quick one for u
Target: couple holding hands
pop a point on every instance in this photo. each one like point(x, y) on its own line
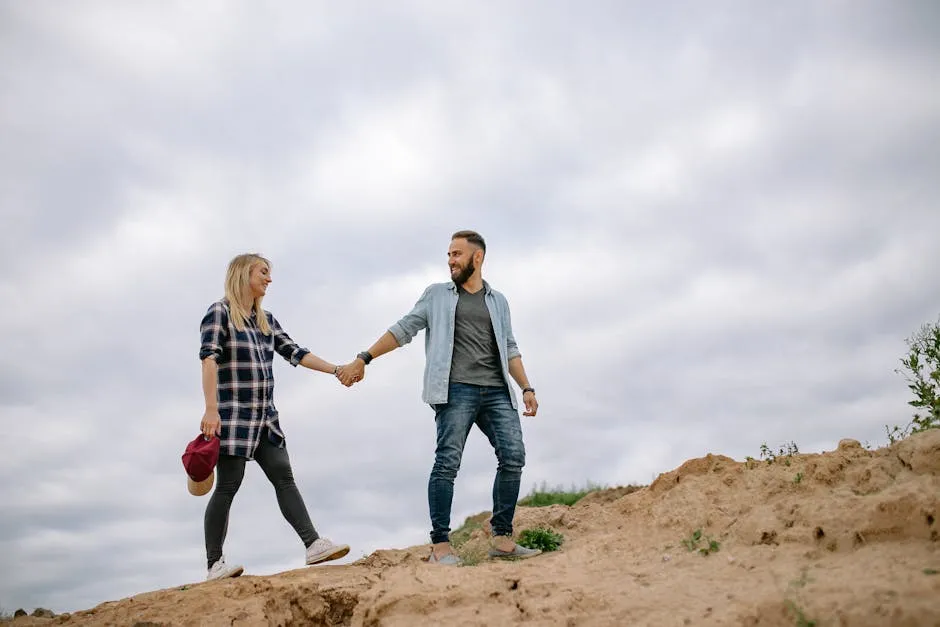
point(471, 355)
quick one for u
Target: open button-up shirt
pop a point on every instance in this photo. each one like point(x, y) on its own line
point(246, 377)
point(436, 311)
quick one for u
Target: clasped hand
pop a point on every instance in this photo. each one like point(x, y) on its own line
point(353, 372)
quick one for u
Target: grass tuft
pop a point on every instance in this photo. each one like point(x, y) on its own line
point(545, 496)
point(473, 553)
point(460, 536)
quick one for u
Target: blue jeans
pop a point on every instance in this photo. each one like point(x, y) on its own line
point(491, 410)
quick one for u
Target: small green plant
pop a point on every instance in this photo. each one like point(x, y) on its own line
point(802, 581)
point(544, 496)
point(785, 452)
point(795, 592)
point(896, 433)
point(931, 571)
point(750, 462)
point(798, 478)
point(798, 615)
point(541, 538)
point(922, 372)
point(699, 541)
point(765, 452)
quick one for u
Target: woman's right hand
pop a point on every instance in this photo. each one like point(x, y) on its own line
point(211, 423)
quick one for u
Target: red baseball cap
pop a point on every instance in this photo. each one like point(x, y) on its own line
point(199, 460)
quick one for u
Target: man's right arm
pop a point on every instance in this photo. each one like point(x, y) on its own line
point(385, 344)
point(355, 370)
point(400, 333)
point(413, 322)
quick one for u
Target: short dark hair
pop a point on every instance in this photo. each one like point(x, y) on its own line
point(471, 236)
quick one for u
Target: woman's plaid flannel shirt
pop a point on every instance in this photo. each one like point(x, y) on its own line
point(246, 376)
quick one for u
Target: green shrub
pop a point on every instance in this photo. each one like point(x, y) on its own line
point(922, 371)
point(541, 538)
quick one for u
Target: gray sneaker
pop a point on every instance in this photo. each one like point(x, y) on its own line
point(518, 552)
point(450, 559)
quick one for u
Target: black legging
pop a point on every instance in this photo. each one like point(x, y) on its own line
point(229, 474)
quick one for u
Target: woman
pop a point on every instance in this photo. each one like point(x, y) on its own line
point(239, 340)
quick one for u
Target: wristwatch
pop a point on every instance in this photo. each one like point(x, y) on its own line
point(524, 390)
point(365, 356)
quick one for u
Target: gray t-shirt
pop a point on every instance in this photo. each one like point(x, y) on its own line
point(476, 356)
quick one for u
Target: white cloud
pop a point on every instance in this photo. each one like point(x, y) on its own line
point(149, 43)
point(385, 163)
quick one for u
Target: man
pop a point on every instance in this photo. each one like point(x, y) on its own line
point(471, 353)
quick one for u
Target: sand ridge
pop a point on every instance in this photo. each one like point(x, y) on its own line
point(848, 537)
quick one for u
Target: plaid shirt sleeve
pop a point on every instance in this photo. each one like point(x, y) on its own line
point(284, 345)
point(214, 331)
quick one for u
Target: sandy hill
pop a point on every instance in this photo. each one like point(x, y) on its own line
point(848, 537)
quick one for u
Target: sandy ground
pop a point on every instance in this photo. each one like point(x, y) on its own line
point(848, 537)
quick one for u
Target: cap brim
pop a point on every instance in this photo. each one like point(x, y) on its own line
point(199, 488)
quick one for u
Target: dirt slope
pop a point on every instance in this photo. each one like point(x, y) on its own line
point(848, 537)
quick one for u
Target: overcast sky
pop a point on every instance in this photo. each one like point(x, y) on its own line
point(715, 223)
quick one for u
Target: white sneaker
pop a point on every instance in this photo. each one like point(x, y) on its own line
point(221, 570)
point(322, 550)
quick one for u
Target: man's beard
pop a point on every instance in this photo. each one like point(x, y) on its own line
point(465, 273)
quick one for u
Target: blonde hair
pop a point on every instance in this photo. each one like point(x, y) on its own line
point(236, 285)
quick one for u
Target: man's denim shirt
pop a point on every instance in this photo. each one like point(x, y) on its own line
point(435, 311)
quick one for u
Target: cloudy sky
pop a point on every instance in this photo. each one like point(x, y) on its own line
point(716, 223)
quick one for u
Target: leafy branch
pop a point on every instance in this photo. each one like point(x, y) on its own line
point(921, 369)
